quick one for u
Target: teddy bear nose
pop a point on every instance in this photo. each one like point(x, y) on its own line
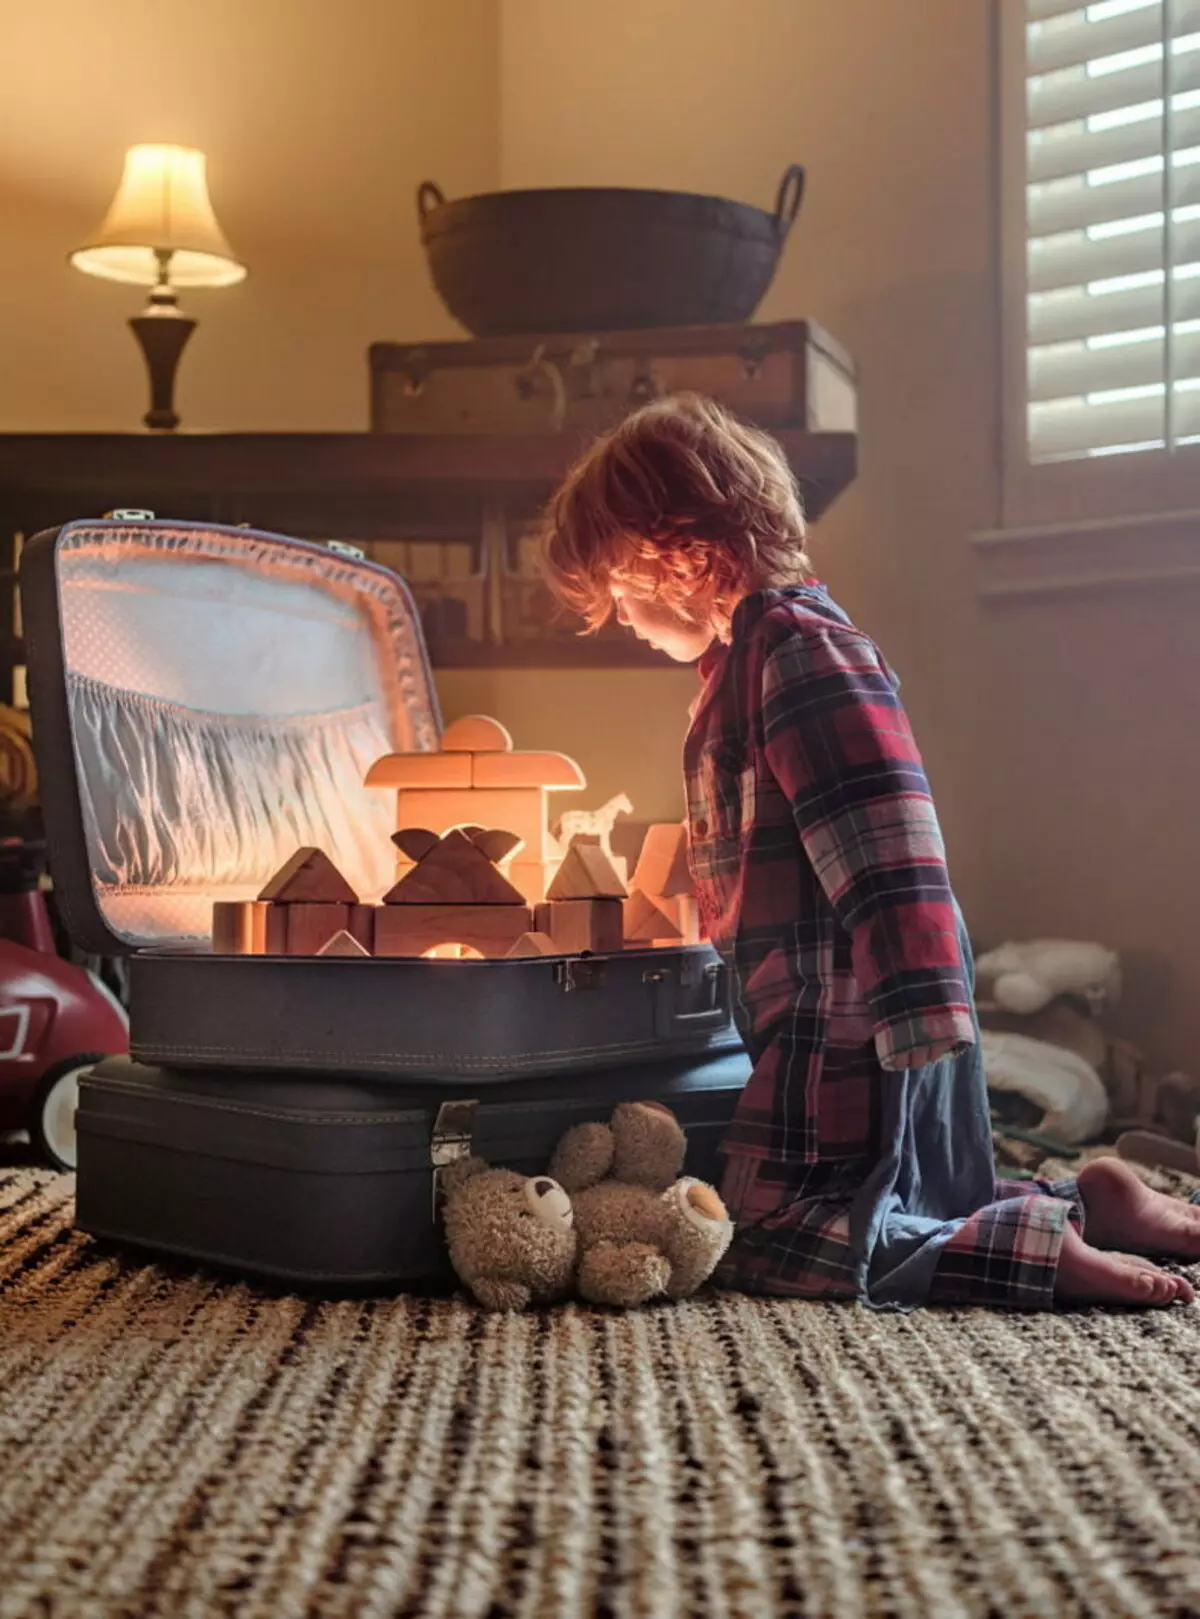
point(549, 1203)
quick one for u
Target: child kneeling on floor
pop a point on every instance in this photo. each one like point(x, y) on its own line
point(859, 1162)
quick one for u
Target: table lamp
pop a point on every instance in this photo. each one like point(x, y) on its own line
point(161, 232)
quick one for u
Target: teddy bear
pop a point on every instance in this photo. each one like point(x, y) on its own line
point(643, 1230)
point(615, 1218)
point(511, 1237)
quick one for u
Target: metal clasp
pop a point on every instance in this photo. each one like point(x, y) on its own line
point(450, 1142)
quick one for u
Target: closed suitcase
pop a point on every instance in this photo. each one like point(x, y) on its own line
point(333, 1183)
point(791, 374)
point(204, 701)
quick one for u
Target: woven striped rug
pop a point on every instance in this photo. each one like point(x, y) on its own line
point(176, 1444)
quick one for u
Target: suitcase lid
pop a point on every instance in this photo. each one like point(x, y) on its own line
point(204, 701)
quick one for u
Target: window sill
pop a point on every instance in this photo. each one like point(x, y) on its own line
point(1115, 553)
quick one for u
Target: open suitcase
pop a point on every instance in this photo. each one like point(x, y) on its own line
point(206, 700)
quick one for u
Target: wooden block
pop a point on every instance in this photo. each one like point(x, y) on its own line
point(585, 873)
point(646, 922)
point(362, 926)
point(311, 926)
point(239, 928)
point(1158, 1152)
point(529, 878)
point(343, 944)
point(535, 944)
point(554, 770)
point(476, 733)
point(414, 930)
point(494, 843)
point(420, 770)
point(583, 924)
point(521, 811)
point(416, 841)
point(275, 942)
point(662, 867)
point(455, 872)
point(689, 918)
point(309, 878)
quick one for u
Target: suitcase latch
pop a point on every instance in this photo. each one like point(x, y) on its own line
point(580, 973)
point(450, 1142)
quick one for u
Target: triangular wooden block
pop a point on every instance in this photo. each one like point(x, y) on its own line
point(309, 878)
point(586, 873)
point(534, 944)
point(454, 872)
point(645, 921)
point(662, 867)
point(343, 944)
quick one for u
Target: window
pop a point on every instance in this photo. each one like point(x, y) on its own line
point(1102, 256)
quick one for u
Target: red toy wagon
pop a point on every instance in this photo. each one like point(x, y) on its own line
point(56, 1019)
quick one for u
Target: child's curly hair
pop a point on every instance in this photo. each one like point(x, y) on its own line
point(681, 503)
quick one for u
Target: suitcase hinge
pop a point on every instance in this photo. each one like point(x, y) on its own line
point(450, 1142)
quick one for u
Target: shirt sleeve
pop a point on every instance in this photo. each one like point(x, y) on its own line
point(839, 744)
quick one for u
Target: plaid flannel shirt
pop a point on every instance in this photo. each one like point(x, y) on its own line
point(821, 876)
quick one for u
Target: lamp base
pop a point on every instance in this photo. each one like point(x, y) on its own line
point(162, 334)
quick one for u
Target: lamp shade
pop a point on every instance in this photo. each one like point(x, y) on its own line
point(161, 206)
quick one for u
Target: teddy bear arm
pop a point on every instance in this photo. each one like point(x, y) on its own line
point(622, 1273)
point(583, 1157)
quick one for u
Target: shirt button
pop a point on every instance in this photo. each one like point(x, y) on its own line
point(701, 829)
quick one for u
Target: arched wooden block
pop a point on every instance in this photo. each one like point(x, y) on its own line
point(554, 771)
point(419, 770)
point(476, 733)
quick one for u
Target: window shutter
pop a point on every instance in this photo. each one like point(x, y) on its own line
point(1112, 226)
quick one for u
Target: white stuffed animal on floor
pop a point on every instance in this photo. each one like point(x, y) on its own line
point(1064, 1084)
point(1023, 978)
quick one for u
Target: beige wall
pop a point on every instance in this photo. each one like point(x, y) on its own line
point(892, 251)
point(320, 120)
point(1060, 736)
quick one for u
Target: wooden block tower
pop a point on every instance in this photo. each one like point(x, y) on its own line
point(477, 779)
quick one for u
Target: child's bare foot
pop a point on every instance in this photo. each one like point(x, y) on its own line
point(1088, 1276)
point(1122, 1212)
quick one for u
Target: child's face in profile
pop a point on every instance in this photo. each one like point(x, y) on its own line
point(654, 622)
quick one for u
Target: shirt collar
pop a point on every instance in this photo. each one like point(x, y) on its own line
point(751, 608)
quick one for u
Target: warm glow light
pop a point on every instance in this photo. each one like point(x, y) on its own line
point(161, 206)
point(454, 952)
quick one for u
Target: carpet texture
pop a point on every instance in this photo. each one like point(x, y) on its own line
point(176, 1444)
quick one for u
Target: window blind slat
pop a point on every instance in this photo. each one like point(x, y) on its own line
point(1058, 432)
point(1055, 156)
point(1075, 258)
point(1067, 372)
point(1062, 317)
point(1053, 47)
point(1066, 98)
point(1068, 205)
point(1041, 10)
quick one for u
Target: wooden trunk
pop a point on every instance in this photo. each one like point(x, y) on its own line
point(787, 375)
